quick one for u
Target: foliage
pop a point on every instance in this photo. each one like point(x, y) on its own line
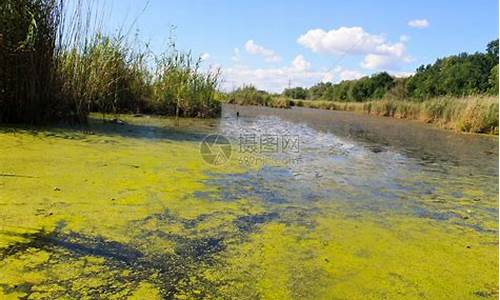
point(249, 95)
point(105, 76)
point(493, 80)
point(476, 114)
point(181, 88)
point(458, 75)
point(28, 33)
point(295, 93)
point(372, 87)
point(55, 65)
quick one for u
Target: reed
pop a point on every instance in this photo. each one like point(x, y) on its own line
point(28, 35)
point(57, 63)
point(182, 88)
point(474, 114)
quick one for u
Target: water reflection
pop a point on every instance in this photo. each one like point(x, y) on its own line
point(374, 164)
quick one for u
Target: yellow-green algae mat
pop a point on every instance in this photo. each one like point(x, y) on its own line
point(122, 215)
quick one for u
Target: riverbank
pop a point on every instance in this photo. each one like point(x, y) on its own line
point(470, 114)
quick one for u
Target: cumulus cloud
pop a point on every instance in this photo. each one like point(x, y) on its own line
point(255, 49)
point(379, 53)
point(204, 56)
point(387, 57)
point(345, 40)
point(298, 73)
point(346, 74)
point(419, 23)
point(269, 79)
point(236, 55)
point(300, 63)
point(402, 74)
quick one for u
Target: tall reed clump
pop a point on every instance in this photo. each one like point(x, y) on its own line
point(28, 86)
point(181, 88)
point(56, 63)
point(106, 75)
point(249, 95)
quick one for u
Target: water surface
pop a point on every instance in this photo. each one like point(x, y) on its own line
point(367, 208)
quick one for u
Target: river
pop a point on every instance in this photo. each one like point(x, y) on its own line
point(311, 204)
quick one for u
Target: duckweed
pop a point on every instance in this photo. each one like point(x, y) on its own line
point(133, 212)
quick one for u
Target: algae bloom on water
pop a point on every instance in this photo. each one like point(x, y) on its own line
point(134, 212)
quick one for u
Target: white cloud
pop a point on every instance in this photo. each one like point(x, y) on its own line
point(375, 61)
point(269, 79)
point(404, 38)
point(402, 74)
point(300, 63)
point(387, 57)
point(378, 52)
point(277, 79)
point(255, 49)
point(204, 56)
point(298, 73)
point(419, 23)
point(328, 77)
point(236, 55)
point(346, 74)
point(345, 40)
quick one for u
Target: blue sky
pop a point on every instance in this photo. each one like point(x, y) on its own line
point(272, 44)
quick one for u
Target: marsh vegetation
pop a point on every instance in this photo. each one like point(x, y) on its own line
point(57, 63)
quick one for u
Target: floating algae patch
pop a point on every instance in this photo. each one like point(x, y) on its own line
point(108, 213)
point(343, 258)
point(132, 212)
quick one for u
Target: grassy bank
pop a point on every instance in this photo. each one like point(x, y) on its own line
point(473, 114)
point(469, 114)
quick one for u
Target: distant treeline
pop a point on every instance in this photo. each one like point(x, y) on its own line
point(56, 65)
point(458, 75)
point(455, 92)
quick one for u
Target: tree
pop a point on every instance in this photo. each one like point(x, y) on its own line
point(492, 49)
point(296, 93)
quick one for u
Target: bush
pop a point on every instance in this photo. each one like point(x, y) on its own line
point(249, 95)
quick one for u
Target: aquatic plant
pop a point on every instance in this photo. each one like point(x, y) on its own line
point(28, 36)
point(181, 88)
point(249, 95)
point(56, 63)
point(475, 114)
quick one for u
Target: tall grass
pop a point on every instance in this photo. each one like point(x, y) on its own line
point(28, 35)
point(106, 76)
point(474, 114)
point(249, 95)
point(181, 88)
point(56, 63)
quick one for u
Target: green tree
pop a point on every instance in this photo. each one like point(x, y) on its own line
point(492, 49)
point(493, 80)
point(295, 93)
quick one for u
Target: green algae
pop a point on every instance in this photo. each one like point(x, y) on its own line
point(133, 212)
